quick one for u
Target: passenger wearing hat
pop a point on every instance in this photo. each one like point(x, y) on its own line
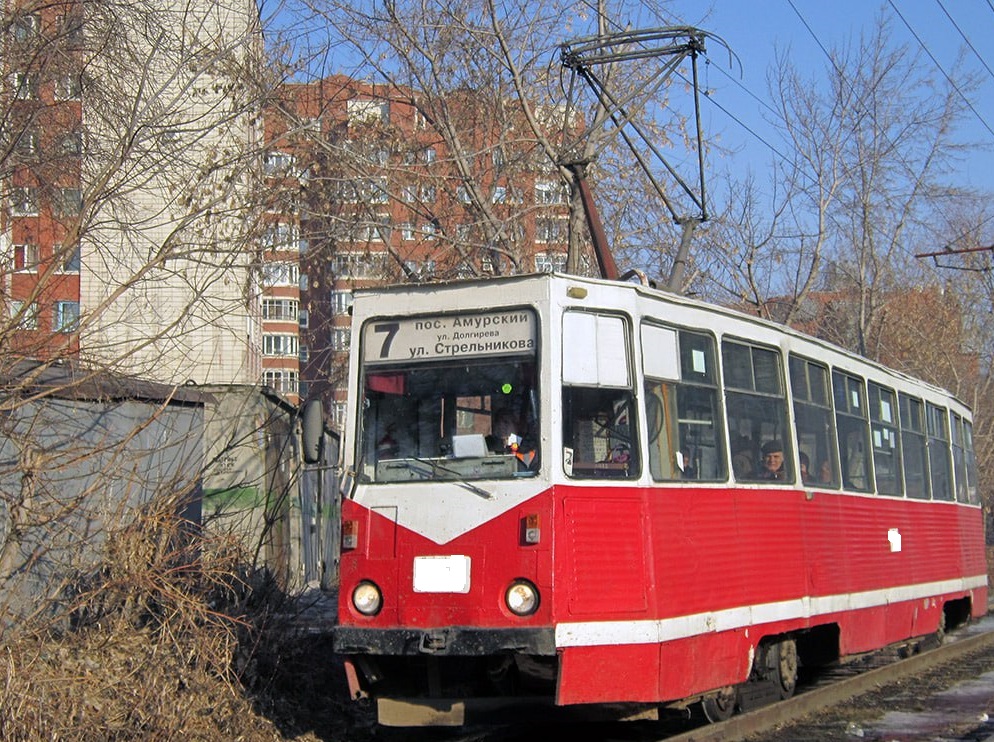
point(771, 466)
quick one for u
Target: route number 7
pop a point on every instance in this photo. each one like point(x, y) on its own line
point(389, 329)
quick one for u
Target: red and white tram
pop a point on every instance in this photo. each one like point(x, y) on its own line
point(574, 491)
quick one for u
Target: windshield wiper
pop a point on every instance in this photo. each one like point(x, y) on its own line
point(435, 466)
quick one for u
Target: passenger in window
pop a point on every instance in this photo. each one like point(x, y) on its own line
point(825, 472)
point(505, 438)
point(687, 464)
point(501, 429)
point(743, 458)
point(806, 476)
point(771, 467)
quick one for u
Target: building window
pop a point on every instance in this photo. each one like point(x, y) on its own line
point(368, 111)
point(340, 338)
point(25, 85)
point(278, 163)
point(70, 26)
point(27, 142)
point(359, 265)
point(407, 231)
point(550, 230)
point(66, 316)
point(280, 345)
point(499, 158)
point(70, 258)
point(23, 201)
point(341, 302)
point(71, 143)
point(373, 190)
point(25, 27)
point(378, 231)
point(67, 202)
point(549, 193)
point(280, 310)
point(550, 262)
point(26, 257)
point(304, 355)
point(303, 319)
point(281, 237)
point(281, 274)
point(24, 316)
point(338, 414)
point(283, 380)
point(312, 125)
point(68, 87)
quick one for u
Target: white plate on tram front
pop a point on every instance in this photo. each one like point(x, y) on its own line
point(441, 574)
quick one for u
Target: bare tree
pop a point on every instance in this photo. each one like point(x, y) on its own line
point(869, 151)
point(129, 234)
point(488, 83)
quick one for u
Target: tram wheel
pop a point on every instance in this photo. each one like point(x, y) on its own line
point(720, 705)
point(786, 668)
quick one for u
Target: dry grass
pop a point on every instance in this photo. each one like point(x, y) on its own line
point(169, 638)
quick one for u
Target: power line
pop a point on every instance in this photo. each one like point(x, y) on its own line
point(939, 67)
point(963, 35)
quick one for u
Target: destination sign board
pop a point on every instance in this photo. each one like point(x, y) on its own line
point(449, 336)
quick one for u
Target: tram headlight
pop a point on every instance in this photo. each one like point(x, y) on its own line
point(521, 598)
point(367, 598)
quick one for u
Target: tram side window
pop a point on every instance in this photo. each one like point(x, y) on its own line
point(886, 447)
point(916, 479)
point(756, 411)
point(959, 457)
point(813, 422)
point(937, 423)
point(972, 494)
point(682, 413)
point(853, 429)
point(600, 435)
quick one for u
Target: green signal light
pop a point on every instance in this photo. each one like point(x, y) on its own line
point(506, 388)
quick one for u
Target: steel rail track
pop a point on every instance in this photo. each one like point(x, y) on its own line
point(820, 697)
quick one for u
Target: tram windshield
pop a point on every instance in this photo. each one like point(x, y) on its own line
point(471, 414)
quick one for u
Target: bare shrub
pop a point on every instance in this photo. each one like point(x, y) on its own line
point(162, 640)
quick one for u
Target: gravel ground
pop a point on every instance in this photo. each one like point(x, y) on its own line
point(951, 702)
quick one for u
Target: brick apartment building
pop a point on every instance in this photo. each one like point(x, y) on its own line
point(365, 191)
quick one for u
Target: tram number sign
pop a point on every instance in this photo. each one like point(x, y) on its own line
point(448, 336)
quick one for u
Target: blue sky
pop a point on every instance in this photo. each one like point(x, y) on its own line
point(754, 29)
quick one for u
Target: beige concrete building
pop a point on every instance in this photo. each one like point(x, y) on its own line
point(153, 202)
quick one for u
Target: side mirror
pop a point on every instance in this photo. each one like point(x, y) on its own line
point(312, 430)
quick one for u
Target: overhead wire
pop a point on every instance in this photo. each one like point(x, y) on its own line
point(965, 39)
point(939, 67)
point(839, 71)
point(959, 92)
